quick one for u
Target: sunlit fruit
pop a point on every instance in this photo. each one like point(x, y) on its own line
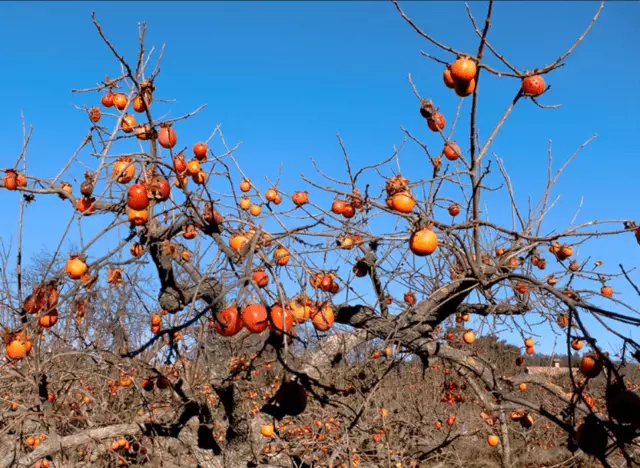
point(454, 209)
point(16, 350)
point(281, 256)
point(323, 317)
point(229, 322)
point(137, 197)
point(255, 210)
point(271, 194)
point(447, 78)
point(179, 164)
point(123, 170)
point(300, 198)
point(338, 206)
point(138, 217)
point(49, 319)
point(463, 69)
point(200, 178)
point(533, 85)
point(423, 242)
point(590, 366)
point(254, 317)
point(200, 151)
point(167, 137)
point(469, 337)
point(261, 278)
point(128, 124)
point(245, 185)
point(120, 101)
point(238, 241)
point(301, 310)
point(403, 202)
point(493, 440)
point(193, 167)
point(245, 202)
point(267, 430)
point(452, 151)
point(75, 267)
point(409, 298)
point(138, 104)
point(281, 319)
point(107, 99)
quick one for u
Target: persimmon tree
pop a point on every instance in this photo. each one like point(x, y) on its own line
point(191, 315)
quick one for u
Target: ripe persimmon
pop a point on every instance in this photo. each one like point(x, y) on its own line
point(281, 319)
point(469, 337)
point(167, 137)
point(229, 322)
point(533, 85)
point(463, 69)
point(323, 317)
point(423, 242)
point(267, 430)
point(301, 309)
point(138, 217)
point(403, 202)
point(260, 277)
point(16, 350)
point(465, 88)
point(447, 78)
point(255, 210)
point(271, 194)
point(338, 206)
point(590, 366)
point(120, 101)
point(454, 209)
point(137, 198)
point(193, 167)
point(452, 151)
point(254, 317)
point(49, 319)
point(300, 198)
point(606, 291)
point(179, 164)
point(281, 256)
point(238, 241)
point(436, 122)
point(75, 267)
point(245, 185)
point(107, 99)
point(128, 124)
point(123, 170)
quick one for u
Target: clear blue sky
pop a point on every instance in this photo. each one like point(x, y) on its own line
point(284, 77)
